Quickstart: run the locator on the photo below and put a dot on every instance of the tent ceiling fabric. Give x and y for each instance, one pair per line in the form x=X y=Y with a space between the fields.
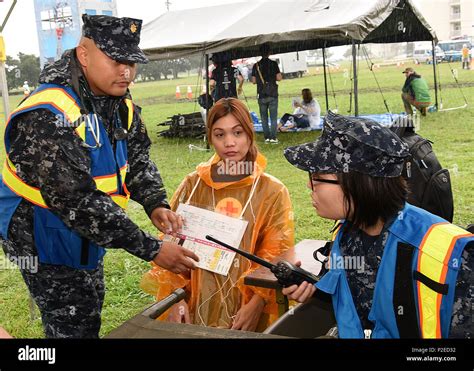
x=311 y=24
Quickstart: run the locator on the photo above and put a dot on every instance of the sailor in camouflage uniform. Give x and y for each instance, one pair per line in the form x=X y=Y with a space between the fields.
x=77 y=150
x=413 y=276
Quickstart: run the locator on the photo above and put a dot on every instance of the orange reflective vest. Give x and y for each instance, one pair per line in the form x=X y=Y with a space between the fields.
x=433 y=267
x=108 y=169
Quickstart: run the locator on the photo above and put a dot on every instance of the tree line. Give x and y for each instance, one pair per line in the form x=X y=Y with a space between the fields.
x=26 y=67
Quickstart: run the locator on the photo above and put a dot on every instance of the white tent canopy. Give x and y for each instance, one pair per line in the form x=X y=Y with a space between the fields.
x=285 y=25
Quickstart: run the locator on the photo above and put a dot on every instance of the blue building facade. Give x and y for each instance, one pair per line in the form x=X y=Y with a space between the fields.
x=58 y=23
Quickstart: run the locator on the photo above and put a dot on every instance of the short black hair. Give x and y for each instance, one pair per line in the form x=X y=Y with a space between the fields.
x=265 y=50
x=370 y=198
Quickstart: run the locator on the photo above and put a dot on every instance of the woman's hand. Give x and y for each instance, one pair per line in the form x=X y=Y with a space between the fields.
x=179 y=313
x=247 y=317
x=301 y=293
x=166 y=221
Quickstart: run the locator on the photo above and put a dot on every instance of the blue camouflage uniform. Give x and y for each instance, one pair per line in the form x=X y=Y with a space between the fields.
x=52 y=158
x=361 y=145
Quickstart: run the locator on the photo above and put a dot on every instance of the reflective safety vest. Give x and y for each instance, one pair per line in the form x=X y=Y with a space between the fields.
x=55 y=242
x=433 y=265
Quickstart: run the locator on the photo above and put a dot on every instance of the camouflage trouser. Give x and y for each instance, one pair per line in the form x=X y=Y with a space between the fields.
x=70 y=300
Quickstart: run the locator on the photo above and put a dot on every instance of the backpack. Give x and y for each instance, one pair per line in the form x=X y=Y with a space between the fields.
x=226 y=86
x=429 y=184
x=202 y=101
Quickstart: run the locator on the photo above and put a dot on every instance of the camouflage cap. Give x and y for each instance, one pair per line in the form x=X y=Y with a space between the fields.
x=351 y=144
x=118 y=38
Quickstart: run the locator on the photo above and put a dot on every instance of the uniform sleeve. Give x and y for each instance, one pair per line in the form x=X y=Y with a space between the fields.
x=462 y=324
x=160 y=282
x=51 y=157
x=143 y=179
x=275 y=237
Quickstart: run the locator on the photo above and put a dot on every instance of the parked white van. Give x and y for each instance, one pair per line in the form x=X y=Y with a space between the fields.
x=425 y=55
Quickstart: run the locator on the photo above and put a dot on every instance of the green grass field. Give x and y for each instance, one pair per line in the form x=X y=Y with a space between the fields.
x=451 y=132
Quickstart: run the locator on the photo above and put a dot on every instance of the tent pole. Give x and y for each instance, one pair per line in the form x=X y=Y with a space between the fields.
x=325 y=80
x=434 y=73
x=207 y=96
x=354 y=67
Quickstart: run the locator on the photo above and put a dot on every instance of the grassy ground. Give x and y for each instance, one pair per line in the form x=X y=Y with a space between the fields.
x=451 y=132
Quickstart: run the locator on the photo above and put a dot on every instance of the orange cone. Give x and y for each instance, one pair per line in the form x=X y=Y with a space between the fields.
x=190 y=93
x=178 y=92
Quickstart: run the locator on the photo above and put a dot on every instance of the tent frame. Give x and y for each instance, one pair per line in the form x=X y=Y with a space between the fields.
x=386 y=21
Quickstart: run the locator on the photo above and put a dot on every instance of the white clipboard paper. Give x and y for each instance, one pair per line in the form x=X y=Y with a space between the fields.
x=201 y=222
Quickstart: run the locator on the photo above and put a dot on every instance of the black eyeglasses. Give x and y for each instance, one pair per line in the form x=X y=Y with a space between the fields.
x=313 y=178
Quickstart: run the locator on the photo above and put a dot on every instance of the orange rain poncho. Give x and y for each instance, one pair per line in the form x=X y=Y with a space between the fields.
x=215 y=298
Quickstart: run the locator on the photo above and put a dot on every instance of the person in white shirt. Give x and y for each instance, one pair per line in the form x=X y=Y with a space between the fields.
x=306 y=115
x=26 y=89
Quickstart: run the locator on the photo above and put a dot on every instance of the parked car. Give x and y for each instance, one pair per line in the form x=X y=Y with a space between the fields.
x=425 y=55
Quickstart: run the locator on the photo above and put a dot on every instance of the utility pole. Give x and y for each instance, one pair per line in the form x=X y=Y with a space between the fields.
x=3 y=58
x=168 y=3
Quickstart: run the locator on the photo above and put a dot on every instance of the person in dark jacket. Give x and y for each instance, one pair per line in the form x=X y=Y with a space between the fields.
x=77 y=151
x=266 y=73
x=224 y=78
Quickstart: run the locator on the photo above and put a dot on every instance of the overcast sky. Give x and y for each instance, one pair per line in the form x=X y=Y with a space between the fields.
x=20 y=32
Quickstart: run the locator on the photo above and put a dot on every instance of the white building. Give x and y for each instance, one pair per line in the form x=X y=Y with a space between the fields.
x=58 y=23
x=449 y=18
x=98 y=7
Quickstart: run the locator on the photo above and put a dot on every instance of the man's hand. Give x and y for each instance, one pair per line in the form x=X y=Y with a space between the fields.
x=179 y=313
x=240 y=90
x=301 y=293
x=247 y=317
x=4 y=334
x=175 y=258
x=167 y=221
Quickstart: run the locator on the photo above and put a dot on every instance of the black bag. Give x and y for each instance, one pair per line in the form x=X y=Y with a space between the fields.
x=429 y=184
x=268 y=89
x=202 y=101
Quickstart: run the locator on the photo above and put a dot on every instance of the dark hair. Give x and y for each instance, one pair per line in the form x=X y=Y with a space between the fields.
x=234 y=106
x=265 y=50
x=369 y=198
x=307 y=95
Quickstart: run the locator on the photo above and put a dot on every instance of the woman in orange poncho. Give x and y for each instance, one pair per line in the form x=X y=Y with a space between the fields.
x=262 y=200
